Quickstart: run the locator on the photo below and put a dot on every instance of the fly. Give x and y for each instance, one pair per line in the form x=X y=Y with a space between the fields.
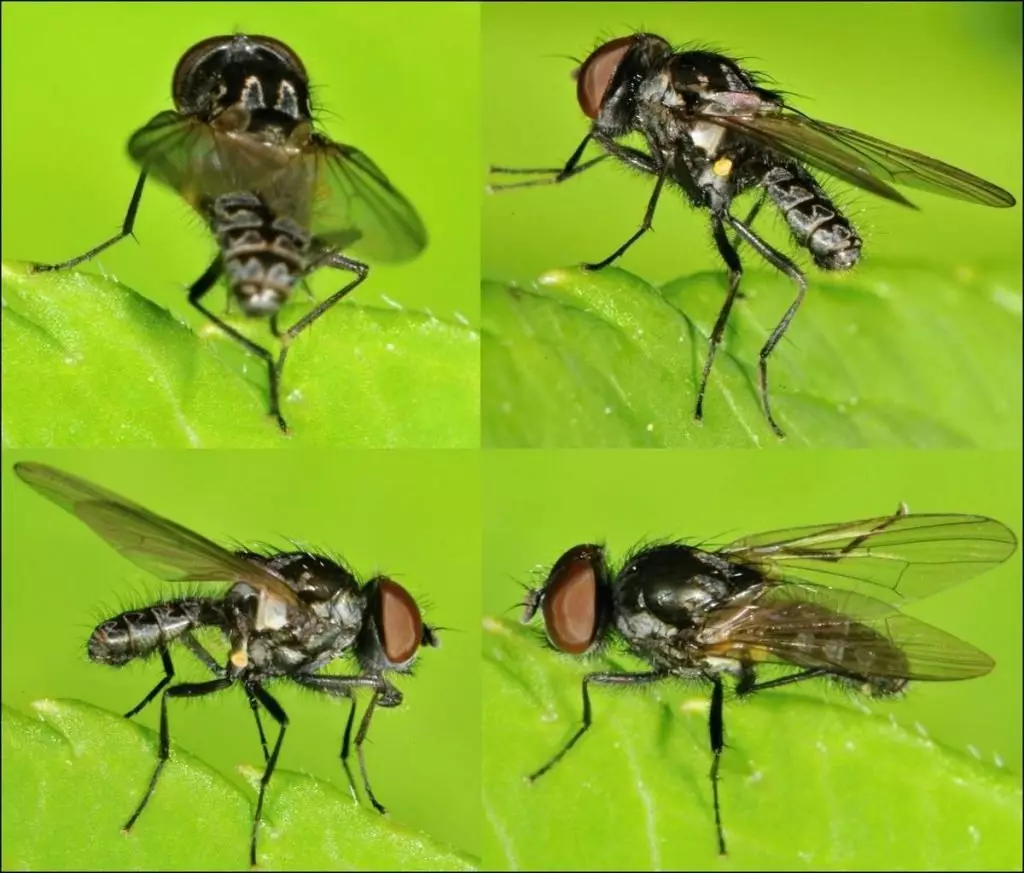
x=820 y=602
x=286 y=615
x=712 y=130
x=281 y=199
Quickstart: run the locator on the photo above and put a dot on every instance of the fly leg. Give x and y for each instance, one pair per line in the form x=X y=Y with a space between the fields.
x=126 y=230
x=195 y=294
x=748 y=685
x=597 y=679
x=732 y=261
x=165 y=657
x=343 y=686
x=783 y=264
x=190 y=689
x=716 y=732
x=329 y=258
x=652 y=204
x=197 y=649
x=278 y=714
x=572 y=167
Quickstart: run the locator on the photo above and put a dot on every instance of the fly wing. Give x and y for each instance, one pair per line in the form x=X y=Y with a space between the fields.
x=202 y=162
x=844 y=632
x=900 y=557
x=857 y=158
x=156 y=545
x=333 y=189
x=354 y=199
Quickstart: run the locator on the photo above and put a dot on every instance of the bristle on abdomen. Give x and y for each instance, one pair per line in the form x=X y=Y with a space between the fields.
x=815 y=221
x=140 y=632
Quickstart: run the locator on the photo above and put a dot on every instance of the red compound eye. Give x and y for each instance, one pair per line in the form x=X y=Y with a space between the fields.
x=596 y=74
x=398 y=622
x=570 y=601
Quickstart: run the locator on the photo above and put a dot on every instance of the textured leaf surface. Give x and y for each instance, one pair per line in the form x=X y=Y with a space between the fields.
x=73 y=774
x=806 y=783
x=88 y=362
x=897 y=357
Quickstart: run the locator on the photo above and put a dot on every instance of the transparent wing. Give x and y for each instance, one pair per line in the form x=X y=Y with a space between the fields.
x=859 y=159
x=334 y=190
x=202 y=162
x=157 y=545
x=353 y=195
x=810 y=626
x=900 y=557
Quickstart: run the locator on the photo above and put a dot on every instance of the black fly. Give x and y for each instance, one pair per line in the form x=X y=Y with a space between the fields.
x=821 y=601
x=286 y=616
x=282 y=199
x=713 y=131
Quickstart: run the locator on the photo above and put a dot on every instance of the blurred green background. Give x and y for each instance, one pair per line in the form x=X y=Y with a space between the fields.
x=942 y=78
x=399 y=81
x=538 y=504
x=411 y=514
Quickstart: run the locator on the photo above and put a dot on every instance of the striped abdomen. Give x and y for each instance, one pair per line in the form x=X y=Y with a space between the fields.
x=814 y=220
x=140 y=632
x=264 y=254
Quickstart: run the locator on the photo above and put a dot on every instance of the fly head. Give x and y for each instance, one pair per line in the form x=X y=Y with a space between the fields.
x=257 y=77
x=608 y=80
x=575 y=600
x=393 y=628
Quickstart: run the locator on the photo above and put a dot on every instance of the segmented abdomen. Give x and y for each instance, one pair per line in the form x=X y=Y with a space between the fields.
x=264 y=254
x=140 y=632
x=815 y=221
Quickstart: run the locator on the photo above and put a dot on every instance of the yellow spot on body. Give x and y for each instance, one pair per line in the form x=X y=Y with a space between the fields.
x=722 y=167
x=240 y=659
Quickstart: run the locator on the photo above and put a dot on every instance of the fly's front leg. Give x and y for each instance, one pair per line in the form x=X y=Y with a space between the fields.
x=572 y=167
x=343 y=686
x=126 y=230
x=783 y=264
x=597 y=679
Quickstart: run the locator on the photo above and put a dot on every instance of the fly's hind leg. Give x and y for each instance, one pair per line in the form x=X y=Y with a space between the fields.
x=195 y=294
x=126 y=230
x=329 y=258
x=784 y=265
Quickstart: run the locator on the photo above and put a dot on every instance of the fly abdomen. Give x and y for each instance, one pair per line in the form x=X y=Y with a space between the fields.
x=140 y=632
x=815 y=221
x=264 y=254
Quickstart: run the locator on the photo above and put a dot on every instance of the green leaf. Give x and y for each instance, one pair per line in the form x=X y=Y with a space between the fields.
x=73 y=775
x=88 y=362
x=897 y=357
x=805 y=784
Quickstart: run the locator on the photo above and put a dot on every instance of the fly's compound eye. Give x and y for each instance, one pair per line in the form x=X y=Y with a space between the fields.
x=597 y=72
x=570 y=600
x=398 y=620
x=202 y=64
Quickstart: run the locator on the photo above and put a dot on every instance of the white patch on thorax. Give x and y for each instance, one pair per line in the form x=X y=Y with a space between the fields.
x=707 y=137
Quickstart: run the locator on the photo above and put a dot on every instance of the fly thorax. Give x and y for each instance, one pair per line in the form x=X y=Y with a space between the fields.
x=346 y=613
x=264 y=254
